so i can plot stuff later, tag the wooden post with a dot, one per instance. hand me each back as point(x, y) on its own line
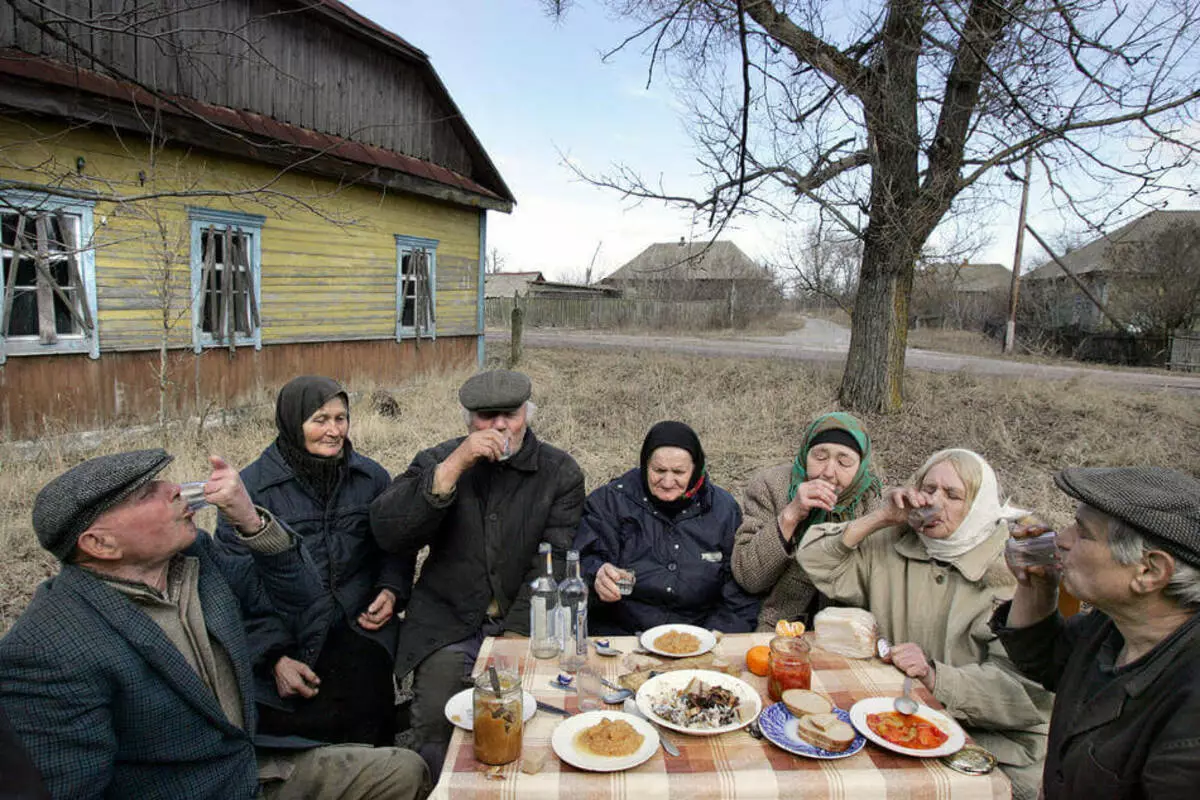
point(518, 326)
point(1010, 330)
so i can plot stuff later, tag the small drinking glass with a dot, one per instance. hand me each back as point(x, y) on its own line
point(193, 495)
point(1032, 543)
point(625, 581)
point(588, 688)
point(918, 518)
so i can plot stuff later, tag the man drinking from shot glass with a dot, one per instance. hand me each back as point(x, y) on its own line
point(482, 503)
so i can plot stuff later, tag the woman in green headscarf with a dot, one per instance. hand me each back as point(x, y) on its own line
point(830, 480)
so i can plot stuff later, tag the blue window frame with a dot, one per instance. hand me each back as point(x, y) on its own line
point(47, 275)
point(226, 259)
point(416, 287)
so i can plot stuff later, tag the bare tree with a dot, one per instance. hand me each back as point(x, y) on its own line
point(494, 262)
point(823, 266)
point(885, 114)
point(1156, 281)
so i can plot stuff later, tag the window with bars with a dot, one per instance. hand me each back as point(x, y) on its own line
point(47, 276)
point(416, 286)
point(226, 276)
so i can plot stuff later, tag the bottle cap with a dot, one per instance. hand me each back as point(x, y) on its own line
point(970, 760)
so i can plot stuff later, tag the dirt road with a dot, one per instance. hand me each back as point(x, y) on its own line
point(825, 341)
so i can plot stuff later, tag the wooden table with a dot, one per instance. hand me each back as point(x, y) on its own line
point(732, 765)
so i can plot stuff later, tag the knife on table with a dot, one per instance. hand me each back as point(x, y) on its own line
point(562, 712)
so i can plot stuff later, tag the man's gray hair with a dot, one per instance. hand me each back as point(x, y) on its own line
point(530, 412)
point(1128, 546)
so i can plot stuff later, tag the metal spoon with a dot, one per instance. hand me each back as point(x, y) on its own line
point(618, 694)
point(904, 704)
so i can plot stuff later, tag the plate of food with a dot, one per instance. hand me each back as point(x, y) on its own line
point(460, 709)
point(678, 640)
point(699, 701)
point(808, 724)
point(604, 741)
point(925, 734)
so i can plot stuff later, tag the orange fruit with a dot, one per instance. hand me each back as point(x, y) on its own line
point(785, 628)
point(757, 659)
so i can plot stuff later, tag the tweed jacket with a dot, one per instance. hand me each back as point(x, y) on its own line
point(483, 539)
point(946, 609)
point(108, 707)
point(762, 563)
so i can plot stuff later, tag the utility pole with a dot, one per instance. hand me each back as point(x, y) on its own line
point(1010, 330)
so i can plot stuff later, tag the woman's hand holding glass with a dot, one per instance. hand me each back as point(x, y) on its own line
point(809, 495)
point(607, 583)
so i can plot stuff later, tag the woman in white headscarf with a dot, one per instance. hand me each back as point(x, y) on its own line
point(932, 590)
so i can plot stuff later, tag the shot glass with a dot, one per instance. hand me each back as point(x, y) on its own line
point(193, 494)
point(918, 518)
point(588, 688)
point(506, 451)
point(625, 581)
point(1032, 543)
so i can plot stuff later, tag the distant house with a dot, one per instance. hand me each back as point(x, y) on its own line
point(197, 204)
point(694, 271)
point(964, 295)
point(534, 284)
point(1120, 285)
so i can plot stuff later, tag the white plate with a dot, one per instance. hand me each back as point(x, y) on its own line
point(563, 742)
point(707, 640)
point(875, 705)
point(460, 709)
point(779, 726)
point(670, 682)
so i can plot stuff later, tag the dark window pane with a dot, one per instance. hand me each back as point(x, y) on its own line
point(408, 312)
point(63, 321)
point(24, 320)
point(8, 229)
point(58, 268)
point(26, 273)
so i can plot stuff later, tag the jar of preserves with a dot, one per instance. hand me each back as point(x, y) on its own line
point(497, 719)
point(788, 666)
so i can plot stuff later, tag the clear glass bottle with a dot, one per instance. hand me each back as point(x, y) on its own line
point(573, 603)
point(544, 639)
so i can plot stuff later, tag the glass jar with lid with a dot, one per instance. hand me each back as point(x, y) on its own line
point(788, 666)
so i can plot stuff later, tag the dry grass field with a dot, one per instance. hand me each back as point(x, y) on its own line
point(749, 415)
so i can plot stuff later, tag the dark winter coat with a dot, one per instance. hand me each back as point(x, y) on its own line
point(483, 539)
point(336, 539)
point(1121, 733)
point(682, 564)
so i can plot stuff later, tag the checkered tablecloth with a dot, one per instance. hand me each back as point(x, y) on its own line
point(732, 765)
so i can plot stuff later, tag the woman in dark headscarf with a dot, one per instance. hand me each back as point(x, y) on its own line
point(674, 529)
point(830, 480)
point(334, 683)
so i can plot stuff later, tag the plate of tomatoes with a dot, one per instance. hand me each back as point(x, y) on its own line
point(925, 734)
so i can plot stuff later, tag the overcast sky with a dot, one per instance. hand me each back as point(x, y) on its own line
point(536, 91)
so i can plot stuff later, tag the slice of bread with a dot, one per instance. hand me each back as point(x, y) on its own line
point(826, 731)
point(802, 702)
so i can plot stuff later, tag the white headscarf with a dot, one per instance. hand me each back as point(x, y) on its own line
point(981, 519)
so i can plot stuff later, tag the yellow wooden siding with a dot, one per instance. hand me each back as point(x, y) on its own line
point(326, 275)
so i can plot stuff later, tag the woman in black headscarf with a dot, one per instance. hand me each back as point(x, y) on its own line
point(334, 683)
point(669, 524)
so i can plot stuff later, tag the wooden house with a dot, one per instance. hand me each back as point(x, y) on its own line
point(694, 271)
point(960, 295)
point(534, 284)
point(204, 199)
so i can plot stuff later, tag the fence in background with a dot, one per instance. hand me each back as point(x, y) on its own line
point(612, 312)
point(1185, 352)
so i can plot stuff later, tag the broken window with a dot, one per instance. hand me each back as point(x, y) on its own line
point(225, 279)
point(415, 286)
point(46, 271)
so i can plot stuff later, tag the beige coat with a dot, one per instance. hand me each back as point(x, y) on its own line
point(761, 563)
point(945, 609)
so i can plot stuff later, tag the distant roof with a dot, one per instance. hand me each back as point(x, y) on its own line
point(679, 261)
point(506, 284)
point(973, 277)
point(1094, 257)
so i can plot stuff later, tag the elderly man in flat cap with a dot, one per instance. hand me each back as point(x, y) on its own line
point(483, 503)
point(1126, 719)
point(129, 674)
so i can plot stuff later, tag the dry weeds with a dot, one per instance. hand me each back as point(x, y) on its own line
point(749, 414)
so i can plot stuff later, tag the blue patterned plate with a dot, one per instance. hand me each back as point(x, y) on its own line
point(778, 725)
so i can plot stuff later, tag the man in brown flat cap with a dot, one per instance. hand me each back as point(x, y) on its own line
point(129, 674)
point(1126, 719)
point(482, 503)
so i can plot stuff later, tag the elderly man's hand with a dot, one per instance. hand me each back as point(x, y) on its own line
point(379, 612)
point(225, 490)
point(294, 677)
point(606, 583)
point(488, 444)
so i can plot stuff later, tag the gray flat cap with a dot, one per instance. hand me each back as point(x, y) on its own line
point(69, 504)
point(495, 390)
point(1162, 503)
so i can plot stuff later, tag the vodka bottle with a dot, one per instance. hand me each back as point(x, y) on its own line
point(573, 603)
point(543, 610)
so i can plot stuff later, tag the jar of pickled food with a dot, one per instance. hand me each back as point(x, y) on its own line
point(788, 666)
point(497, 719)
